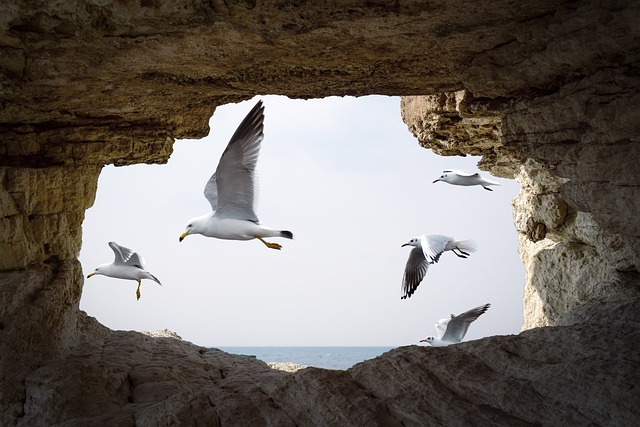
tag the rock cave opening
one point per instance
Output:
(348, 178)
(549, 92)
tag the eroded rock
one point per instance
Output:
(546, 92)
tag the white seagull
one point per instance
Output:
(231, 190)
(458, 177)
(127, 265)
(427, 250)
(451, 330)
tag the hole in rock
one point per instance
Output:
(351, 182)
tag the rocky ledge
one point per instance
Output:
(546, 91)
(551, 376)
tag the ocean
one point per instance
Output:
(320, 357)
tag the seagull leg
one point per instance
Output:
(138, 290)
(269, 245)
(462, 254)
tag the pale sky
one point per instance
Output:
(352, 184)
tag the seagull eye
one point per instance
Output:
(190, 225)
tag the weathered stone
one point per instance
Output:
(545, 91)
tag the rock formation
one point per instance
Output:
(545, 91)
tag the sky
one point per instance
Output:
(351, 182)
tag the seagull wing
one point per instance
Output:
(441, 326)
(462, 173)
(136, 260)
(211, 192)
(459, 325)
(235, 178)
(414, 272)
(433, 246)
(125, 256)
(122, 254)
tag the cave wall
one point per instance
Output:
(545, 92)
(574, 153)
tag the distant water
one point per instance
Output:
(320, 357)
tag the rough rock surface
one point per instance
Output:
(552, 376)
(545, 91)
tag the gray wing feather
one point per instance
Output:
(463, 173)
(433, 246)
(414, 272)
(125, 256)
(122, 254)
(441, 326)
(211, 192)
(459, 325)
(235, 176)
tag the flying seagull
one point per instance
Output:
(231, 190)
(451, 330)
(427, 250)
(458, 177)
(127, 265)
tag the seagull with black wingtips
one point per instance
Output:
(231, 190)
(451, 330)
(128, 265)
(427, 250)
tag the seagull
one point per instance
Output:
(427, 250)
(127, 265)
(451, 330)
(231, 190)
(458, 177)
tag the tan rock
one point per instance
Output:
(286, 366)
(545, 91)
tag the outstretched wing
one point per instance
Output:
(459, 325)
(462, 173)
(433, 246)
(125, 256)
(211, 192)
(441, 326)
(414, 272)
(235, 179)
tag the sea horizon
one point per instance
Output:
(327, 357)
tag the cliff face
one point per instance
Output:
(579, 182)
(546, 93)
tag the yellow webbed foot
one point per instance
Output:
(276, 246)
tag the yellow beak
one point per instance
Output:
(90, 274)
(183, 235)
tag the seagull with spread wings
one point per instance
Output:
(464, 178)
(128, 265)
(451, 330)
(231, 190)
(427, 250)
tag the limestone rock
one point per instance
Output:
(164, 333)
(286, 366)
(555, 376)
(545, 91)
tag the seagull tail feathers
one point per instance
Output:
(286, 234)
(488, 182)
(467, 245)
(154, 278)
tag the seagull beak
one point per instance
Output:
(183, 235)
(436, 181)
(406, 244)
(90, 274)
(423, 341)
